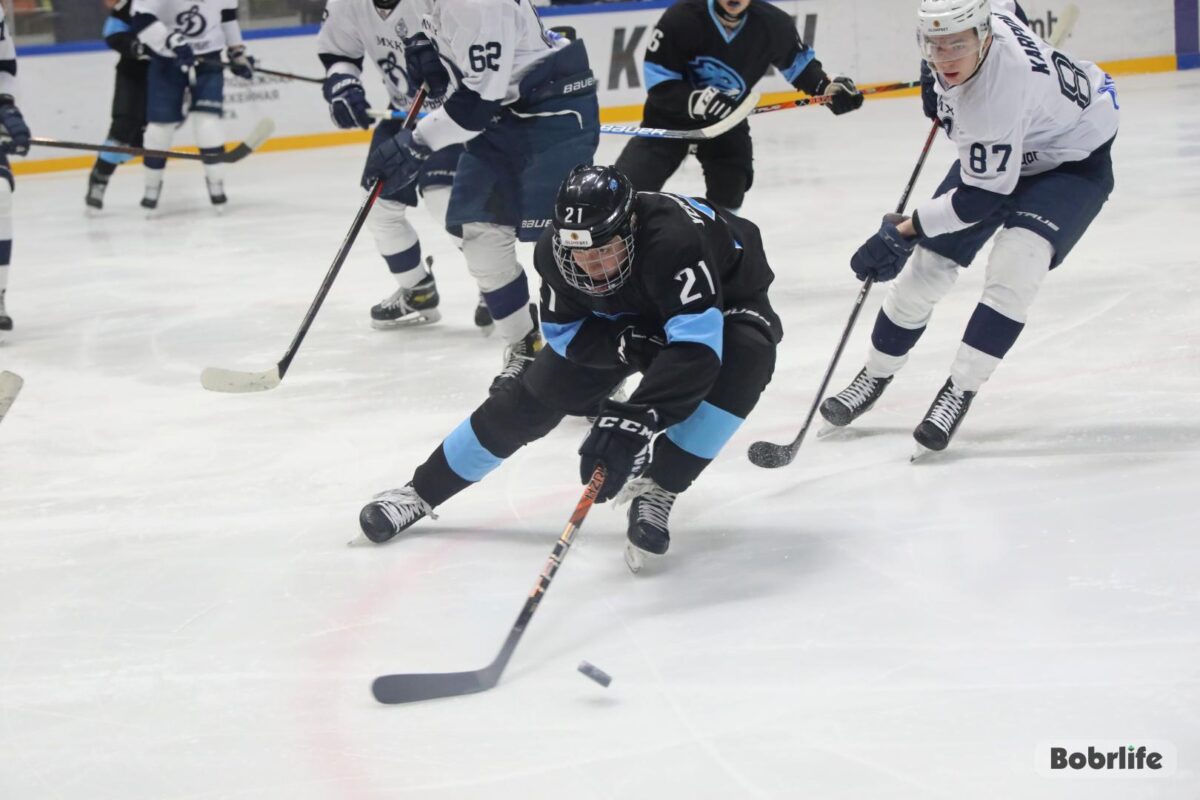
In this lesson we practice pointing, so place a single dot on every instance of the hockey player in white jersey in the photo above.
(15, 140)
(353, 31)
(526, 109)
(185, 38)
(1034, 130)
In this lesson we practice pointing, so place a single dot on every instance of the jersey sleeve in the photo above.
(230, 25)
(688, 296)
(339, 42)
(989, 158)
(8, 59)
(794, 59)
(148, 25)
(665, 67)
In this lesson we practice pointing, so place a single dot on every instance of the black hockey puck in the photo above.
(595, 673)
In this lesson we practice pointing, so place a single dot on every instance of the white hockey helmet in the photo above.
(939, 20)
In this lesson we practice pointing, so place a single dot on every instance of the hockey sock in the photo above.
(512, 300)
(907, 309)
(437, 201)
(210, 138)
(6, 231)
(397, 242)
(491, 253)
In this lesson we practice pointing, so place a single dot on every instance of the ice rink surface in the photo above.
(181, 616)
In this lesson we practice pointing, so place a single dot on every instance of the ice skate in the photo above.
(407, 308)
(6, 323)
(648, 534)
(150, 199)
(216, 193)
(483, 318)
(392, 512)
(97, 184)
(517, 358)
(852, 402)
(942, 419)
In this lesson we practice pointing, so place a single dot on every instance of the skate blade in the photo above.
(921, 454)
(829, 429)
(485, 330)
(414, 320)
(638, 559)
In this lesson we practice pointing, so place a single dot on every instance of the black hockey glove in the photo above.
(14, 125)
(637, 347)
(423, 65)
(883, 255)
(396, 161)
(182, 52)
(348, 104)
(240, 62)
(929, 100)
(620, 440)
(844, 96)
(710, 105)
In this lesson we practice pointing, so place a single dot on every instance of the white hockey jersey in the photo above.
(8, 58)
(207, 25)
(353, 30)
(1026, 110)
(492, 43)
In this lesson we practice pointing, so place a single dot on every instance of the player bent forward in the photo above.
(631, 282)
(1034, 131)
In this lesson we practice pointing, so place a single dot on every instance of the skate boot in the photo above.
(483, 317)
(649, 507)
(150, 198)
(517, 358)
(216, 192)
(943, 418)
(97, 184)
(391, 512)
(409, 307)
(855, 400)
(6, 323)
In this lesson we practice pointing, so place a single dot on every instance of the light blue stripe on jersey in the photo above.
(706, 431)
(653, 74)
(113, 25)
(707, 328)
(559, 335)
(803, 59)
(469, 459)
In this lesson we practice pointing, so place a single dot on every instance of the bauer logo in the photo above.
(1106, 759)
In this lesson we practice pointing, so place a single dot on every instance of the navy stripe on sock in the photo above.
(890, 339)
(991, 332)
(508, 298)
(404, 260)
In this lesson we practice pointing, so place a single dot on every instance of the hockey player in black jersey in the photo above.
(702, 60)
(631, 282)
(129, 99)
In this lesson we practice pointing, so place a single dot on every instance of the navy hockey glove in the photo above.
(883, 255)
(184, 55)
(844, 96)
(620, 440)
(929, 100)
(710, 105)
(240, 62)
(348, 104)
(396, 161)
(14, 125)
(423, 65)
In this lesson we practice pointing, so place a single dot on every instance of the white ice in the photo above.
(181, 617)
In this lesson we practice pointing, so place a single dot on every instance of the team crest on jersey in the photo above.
(708, 71)
(402, 29)
(190, 23)
(390, 67)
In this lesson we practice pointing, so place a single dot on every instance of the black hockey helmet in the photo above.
(593, 229)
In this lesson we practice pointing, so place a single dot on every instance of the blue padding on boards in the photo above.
(706, 431)
(889, 338)
(707, 328)
(991, 332)
(559, 336)
(469, 459)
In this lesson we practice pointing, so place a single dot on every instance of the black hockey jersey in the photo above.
(691, 49)
(691, 263)
(119, 34)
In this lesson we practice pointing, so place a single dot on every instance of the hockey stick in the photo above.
(412, 687)
(289, 75)
(769, 455)
(262, 131)
(216, 379)
(711, 132)
(825, 99)
(10, 387)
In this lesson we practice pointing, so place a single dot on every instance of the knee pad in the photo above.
(491, 253)
(437, 200)
(389, 225)
(912, 296)
(1019, 262)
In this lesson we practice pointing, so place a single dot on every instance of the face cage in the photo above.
(577, 277)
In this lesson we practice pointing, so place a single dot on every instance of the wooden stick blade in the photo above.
(234, 381)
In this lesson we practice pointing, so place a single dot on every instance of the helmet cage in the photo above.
(568, 242)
